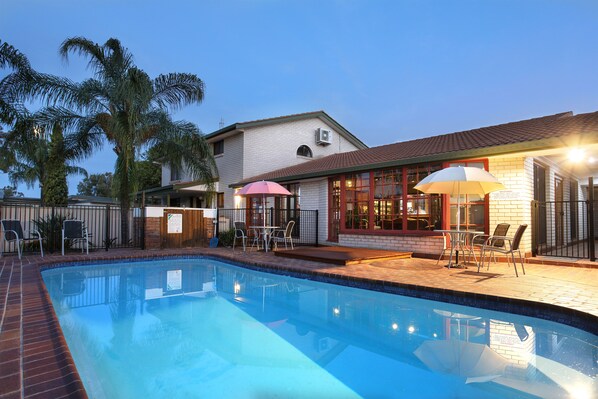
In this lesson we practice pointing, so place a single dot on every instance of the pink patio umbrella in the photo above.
(265, 189)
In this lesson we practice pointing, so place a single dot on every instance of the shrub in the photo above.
(226, 238)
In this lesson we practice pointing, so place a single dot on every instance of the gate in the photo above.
(564, 229)
(183, 228)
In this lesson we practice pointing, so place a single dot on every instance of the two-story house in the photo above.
(247, 149)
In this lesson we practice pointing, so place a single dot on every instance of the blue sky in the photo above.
(386, 70)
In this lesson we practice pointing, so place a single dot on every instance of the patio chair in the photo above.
(511, 245)
(12, 231)
(242, 233)
(478, 241)
(75, 231)
(284, 235)
(446, 244)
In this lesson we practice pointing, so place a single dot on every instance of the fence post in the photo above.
(317, 226)
(107, 229)
(591, 232)
(535, 228)
(216, 221)
(143, 227)
(51, 226)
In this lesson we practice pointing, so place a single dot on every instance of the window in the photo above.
(423, 210)
(219, 200)
(472, 206)
(386, 200)
(219, 147)
(175, 173)
(304, 151)
(357, 201)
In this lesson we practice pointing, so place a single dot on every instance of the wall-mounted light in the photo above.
(395, 326)
(576, 155)
(236, 288)
(336, 311)
(411, 329)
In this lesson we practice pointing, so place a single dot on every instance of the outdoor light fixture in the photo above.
(576, 155)
(236, 288)
(395, 326)
(411, 329)
(336, 311)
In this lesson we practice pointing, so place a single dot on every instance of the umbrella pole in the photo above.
(458, 225)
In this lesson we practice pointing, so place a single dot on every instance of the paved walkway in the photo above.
(35, 362)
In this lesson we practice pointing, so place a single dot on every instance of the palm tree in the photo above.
(122, 105)
(26, 152)
(25, 149)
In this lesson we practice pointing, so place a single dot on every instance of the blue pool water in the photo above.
(202, 328)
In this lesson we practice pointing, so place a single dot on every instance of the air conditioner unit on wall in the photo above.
(323, 137)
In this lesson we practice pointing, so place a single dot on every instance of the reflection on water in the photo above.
(185, 327)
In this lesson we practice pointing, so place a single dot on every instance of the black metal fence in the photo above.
(563, 229)
(305, 231)
(107, 226)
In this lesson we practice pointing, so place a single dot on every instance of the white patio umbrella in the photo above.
(472, 361)
(458, 180)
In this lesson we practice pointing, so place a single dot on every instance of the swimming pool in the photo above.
(185, 328)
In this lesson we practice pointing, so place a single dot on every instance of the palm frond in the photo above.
(176, 90)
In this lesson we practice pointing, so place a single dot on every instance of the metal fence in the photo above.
(107, 227)
(305, 231)
(563, 229)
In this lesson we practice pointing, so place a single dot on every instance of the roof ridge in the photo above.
(536, 119)
(280, 117)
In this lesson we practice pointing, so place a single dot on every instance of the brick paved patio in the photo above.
(35, 362)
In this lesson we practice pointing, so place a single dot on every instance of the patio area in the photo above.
(35, 362)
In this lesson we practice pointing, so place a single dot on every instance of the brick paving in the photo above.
(35, 361)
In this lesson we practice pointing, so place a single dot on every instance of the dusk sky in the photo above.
(386, 70)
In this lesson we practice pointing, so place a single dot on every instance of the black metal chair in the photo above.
(12, 231)
(480, 240)
(511, 244)
(75, 231)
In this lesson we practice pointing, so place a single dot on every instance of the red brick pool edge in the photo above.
(36, 363)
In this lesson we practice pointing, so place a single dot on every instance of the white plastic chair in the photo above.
(284, 235)
(75, 231)
(12, 231)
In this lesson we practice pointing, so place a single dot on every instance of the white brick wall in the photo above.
(314, 195)
(513, 205)
(268, 148)
(230, 166)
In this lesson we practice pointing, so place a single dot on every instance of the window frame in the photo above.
(404, 196)
(310, 152)
(218, 146)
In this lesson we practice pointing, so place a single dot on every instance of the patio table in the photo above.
(458, 241)
(266, 231)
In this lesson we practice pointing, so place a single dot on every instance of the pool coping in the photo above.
(40, 329)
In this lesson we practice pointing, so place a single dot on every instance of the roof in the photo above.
(73, 199)
(552, 131)
(290, 118)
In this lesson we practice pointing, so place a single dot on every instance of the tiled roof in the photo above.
(486, 141)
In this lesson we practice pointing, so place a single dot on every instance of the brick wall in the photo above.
(153, 240)
(513, 205)
(314, 195)
(419, 245)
